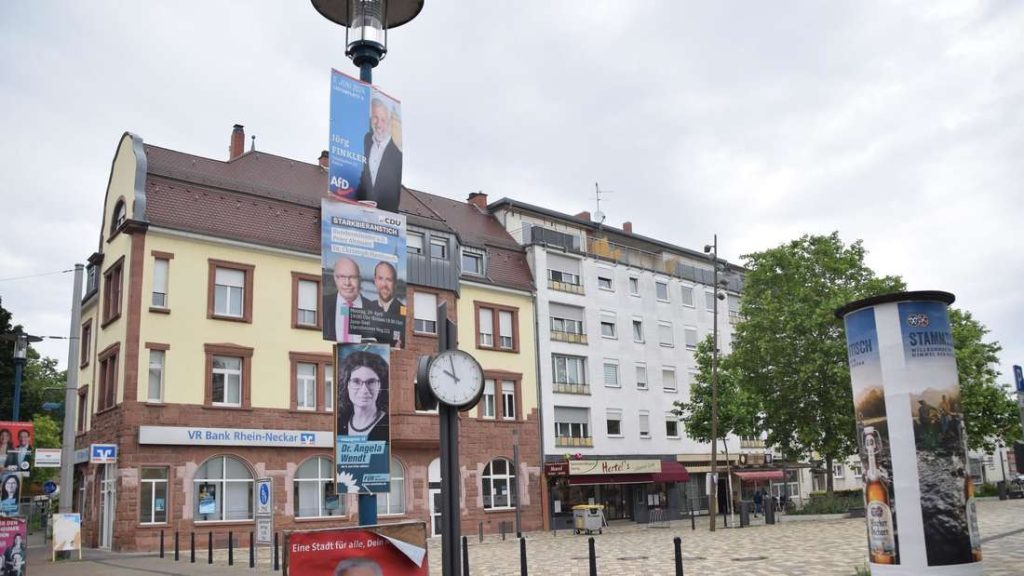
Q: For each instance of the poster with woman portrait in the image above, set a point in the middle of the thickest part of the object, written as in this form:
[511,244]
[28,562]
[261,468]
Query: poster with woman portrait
[363,453]
[10,492]
[13,545]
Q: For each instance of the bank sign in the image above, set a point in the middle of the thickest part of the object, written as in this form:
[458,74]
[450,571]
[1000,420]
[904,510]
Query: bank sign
[245,437]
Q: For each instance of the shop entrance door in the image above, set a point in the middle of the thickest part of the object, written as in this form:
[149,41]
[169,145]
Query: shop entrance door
[434,496]
[108,496]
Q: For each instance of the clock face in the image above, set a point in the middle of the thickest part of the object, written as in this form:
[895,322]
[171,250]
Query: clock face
[456,378]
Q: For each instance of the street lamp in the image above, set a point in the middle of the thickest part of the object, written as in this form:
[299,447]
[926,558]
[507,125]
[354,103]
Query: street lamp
[712,249]
[366,25]
[21,342]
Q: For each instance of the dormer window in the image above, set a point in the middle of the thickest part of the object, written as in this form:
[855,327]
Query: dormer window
[472,262]
[119,215]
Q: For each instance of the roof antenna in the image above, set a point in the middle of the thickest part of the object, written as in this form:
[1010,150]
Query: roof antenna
[598,215]
[252,148]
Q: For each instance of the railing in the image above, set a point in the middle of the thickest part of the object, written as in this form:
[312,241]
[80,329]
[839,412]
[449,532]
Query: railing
[569,388]
[663,262]
[565,287]
[570,337]
[565,441]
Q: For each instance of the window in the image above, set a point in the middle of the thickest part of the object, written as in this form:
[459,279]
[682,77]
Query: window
[160,269]
[83,409]
[734,309]
[306,297]
[107,378]
[157,357]
[645,424]
[230,291]
[638,330]
[91,281]
[665,337]
[153,495]
[508,400]
[487,400]
[313,490]
[85,344]
[838,469]
[605,283]
[424,312]
[634,286]
[614,422]
[671,426]
[687,296]
[641,376]
[567,323]
[709,300]
[438,248]
[472,262]
[228,375]
[414,242]
[505,330]
[661,290]
[119,216]
[393,502]
[668,379]
[112,287]
[608,325]
[564,274]
[499,484]
[329,387]
[690,335]
[223,490]
[486,327]
[491,316]
[570,369]
[572,426]
[611,373]
[305,386]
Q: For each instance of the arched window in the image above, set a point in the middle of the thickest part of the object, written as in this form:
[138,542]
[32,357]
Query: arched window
[499,484]
[119,215]
[314,490]
[393,502]
[223,490]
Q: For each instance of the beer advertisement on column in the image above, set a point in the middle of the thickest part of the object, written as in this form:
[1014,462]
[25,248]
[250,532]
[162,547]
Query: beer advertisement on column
[365,151]
[362,429]
[363,262]
[872,436]
[947,491]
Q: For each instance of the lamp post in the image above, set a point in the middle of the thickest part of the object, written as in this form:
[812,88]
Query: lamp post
[366,25]
[712,249]
[21,342]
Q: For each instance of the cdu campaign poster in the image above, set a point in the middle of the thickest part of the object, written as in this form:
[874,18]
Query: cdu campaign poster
[362,427]
[363,262]
[365,143]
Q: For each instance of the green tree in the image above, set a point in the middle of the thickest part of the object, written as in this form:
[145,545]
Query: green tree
[990,413]
[37,375]
[737,410]
[789,352]
[47,435]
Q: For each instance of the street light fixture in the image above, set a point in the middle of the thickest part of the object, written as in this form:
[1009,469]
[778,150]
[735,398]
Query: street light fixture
[21,342]
[366,25]
[712,249]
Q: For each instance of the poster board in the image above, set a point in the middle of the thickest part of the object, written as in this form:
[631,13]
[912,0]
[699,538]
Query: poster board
[67,534]
[398,549]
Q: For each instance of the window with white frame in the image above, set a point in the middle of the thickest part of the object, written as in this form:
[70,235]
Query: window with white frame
[153,495]
[506,336]
[393,503]
[472,262]
[329,387]
[572,424]
[499,484]
[634,286]
[690,336]
[424,312]
[156,375]
[709,300]
[665,337]
[638,330]
[608,324]
[487,400]
[486,327]
[645,424]
[614,422]
[661,290]
[305,314]
[687,296]
[563,270]
[570,369]
[160,269]
[222,490]
[438,248]
[671,426]
[641,376]
[611,373]
[838,469]
[305,386]
[313,490]
[414,242]
[566,325]
[668,379]
[508,400]
[605,283]
[227,381]
[229,292]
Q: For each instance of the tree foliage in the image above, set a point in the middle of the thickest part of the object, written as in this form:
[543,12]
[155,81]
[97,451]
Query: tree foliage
[737,410]
[38,375]
[47,435]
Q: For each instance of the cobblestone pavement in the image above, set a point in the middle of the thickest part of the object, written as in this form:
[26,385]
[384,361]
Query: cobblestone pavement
[793,547]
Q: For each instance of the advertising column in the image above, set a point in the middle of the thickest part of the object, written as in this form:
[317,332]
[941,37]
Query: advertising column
[919,498]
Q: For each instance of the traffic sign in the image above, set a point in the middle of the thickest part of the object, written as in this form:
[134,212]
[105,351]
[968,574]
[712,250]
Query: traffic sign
[264,497]
[49,487]
[1018,375]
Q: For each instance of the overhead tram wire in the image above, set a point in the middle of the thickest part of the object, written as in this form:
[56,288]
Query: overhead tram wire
[12,278]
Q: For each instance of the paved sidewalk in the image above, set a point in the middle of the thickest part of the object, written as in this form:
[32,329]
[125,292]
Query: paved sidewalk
[792,548]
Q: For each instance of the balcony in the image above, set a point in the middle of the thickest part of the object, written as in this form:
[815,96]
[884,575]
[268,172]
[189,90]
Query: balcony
[565,287]
[751,443]
[570,337]
[566,442]
[567,388]
[664,262]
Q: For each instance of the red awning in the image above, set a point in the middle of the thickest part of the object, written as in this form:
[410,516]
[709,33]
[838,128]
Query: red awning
[610,479]
[759,475]
[671,471]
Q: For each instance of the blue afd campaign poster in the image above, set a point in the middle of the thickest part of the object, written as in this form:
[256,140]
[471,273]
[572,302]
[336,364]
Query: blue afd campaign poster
[362,418]
[365,143]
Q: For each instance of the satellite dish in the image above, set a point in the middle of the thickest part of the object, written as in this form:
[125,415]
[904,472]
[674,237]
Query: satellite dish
[599,217]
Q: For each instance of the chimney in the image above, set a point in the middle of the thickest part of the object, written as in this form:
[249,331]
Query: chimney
[584,216]
[324,159]
[627,227]
[478,199]
[237,142]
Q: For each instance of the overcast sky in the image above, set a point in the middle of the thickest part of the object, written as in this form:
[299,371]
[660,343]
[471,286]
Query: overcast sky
[898,123]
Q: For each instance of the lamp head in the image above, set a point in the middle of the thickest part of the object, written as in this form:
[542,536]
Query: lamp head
[708,248]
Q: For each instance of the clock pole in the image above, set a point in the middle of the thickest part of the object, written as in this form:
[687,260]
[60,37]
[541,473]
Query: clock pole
[451,529]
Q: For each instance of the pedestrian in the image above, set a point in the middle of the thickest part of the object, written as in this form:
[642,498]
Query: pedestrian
[758,501]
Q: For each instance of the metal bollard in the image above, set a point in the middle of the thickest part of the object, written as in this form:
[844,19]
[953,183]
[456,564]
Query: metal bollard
[277,560]
[192,552]
[481,529]
[161,543]
[593,556]
[209,547]
[465,556]
[522,557]
[693,519]
[252,552]
[176,550]
[231,548]
[501,526]
[678,543]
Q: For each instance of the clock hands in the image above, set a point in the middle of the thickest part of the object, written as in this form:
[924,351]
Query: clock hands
[451,363]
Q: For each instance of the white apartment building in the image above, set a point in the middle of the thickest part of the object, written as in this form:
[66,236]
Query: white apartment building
[619,317]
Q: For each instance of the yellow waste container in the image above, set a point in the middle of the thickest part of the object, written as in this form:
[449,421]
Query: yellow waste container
[588,518]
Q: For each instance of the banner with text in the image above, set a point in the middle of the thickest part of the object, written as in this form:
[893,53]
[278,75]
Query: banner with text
[384,550]
[13,545]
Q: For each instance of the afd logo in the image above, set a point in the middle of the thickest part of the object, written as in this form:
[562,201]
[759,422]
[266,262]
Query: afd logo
[307,438]
[103,453]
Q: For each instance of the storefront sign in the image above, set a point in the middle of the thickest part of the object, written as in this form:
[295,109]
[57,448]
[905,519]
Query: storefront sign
[48,458]
[245,437]
[385,549]
[590,467]
[556,469]
[102,453]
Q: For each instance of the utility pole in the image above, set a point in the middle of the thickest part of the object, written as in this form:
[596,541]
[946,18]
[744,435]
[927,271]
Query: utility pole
[67,453]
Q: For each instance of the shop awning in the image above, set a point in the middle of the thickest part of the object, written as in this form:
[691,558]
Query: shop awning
[671,472]
[759,475]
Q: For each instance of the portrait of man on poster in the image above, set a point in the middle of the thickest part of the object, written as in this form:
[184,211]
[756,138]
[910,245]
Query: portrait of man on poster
[381,178]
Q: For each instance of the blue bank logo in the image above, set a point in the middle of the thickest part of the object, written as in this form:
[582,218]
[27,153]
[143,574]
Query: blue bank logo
[307,438]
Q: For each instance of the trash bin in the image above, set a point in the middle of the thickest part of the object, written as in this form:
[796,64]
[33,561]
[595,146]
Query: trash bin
[1004,493]
[745,506]
[588,518]
[769,513]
